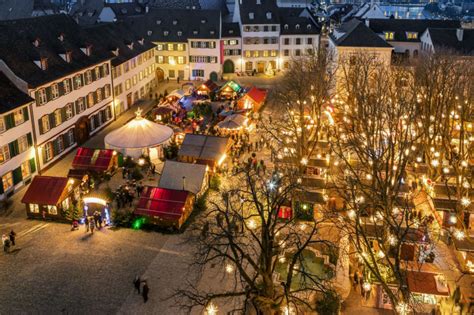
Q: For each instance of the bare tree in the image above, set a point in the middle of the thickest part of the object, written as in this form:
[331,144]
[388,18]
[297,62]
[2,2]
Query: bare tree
[243,234]
[375,142]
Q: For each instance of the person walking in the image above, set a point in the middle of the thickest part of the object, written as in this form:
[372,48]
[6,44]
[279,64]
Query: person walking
[356,280]
[136,283]
[92,225]
[86,223]
[12,237]
[6,246]
[145,291]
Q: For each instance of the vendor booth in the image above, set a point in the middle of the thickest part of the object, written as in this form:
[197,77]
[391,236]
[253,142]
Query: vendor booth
[51,197]
[165,207]
[139,137]
[229,90]
[185,176]
[253,100]
[232,123]
[96,160]
[202,149]
[163,114]
[207,88]
[175,96]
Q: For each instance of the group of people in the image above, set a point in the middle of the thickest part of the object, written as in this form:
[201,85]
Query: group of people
[137,282]
[125,195]
[8,241]
[359,280]
[93,221]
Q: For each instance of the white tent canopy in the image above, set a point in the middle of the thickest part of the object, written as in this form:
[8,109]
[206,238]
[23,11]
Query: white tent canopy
[138,136]
[233,122]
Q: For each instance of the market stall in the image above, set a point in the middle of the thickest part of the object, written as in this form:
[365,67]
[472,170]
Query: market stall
[185,176]
[139,137]
[207,88]
[165,207]
[96,160]
[253,99]
[232,124]
[229,90]
[202,149]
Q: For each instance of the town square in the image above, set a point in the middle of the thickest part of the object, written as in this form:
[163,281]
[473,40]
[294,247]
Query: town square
[236,157]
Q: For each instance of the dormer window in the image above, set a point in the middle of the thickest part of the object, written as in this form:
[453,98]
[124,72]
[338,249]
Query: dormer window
[389,35]
[231,31]
[175,22]
[251,15]
[259,1]
[61,37]
[87,50]
[308,26]
[130,46]
[269,15]
[203,21]
[36,42]
[141,41]
[195,32]
[149,33]
[297,26]
[158,22]
[412,35]
[285,26]
[115,51]
[180,33]
[42,63]
[67,56]
[165,33]
[212,32]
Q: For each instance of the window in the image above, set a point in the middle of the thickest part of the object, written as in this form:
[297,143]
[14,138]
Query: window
[19,117]
[44,123]
[297,52]
[60,144]
[134,80]
[265,53]
[171,60]
[48,151]
[251,15]
[77,81]
[170,47]
[274,28]
[198,73]
[297,26]
[309,41]
[98,73]
[4,154]
[88,76]
[80,106]
[118,89]
[69,111]
[34,208]
[160,59]
[23,143]
[266,40]
[25,169]
[99,95]
[67,86]
[54,91]
[107,90]
[159,47]
[412,35]
[298,41]
[58,117]
[2,125]
[7,181]
[42,98]
[389,35]
[180,47]
[286,52]
[265,28]
[256,53]
[90,99]
[286,41]
[70,136]
[181,60]
[127,85]
[273,53]
[126,67]
[52,210]
[247,53]
[285,26]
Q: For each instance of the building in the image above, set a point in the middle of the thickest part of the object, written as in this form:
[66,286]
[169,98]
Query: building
[133,65]
[184,176]
[455,40]
[69,78]
[202,149]
[17,154]
[405,34]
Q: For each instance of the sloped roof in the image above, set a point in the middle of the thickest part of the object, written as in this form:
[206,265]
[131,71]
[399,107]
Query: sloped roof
[424,282]
[167,204]
[230,30]
[259,11]
[10,96]
[47,29]
[92,159]
[16,9]
[203,147]
[177,25]
[447,39]
[235,121]
[296,21]
[173,173]
[256,94]
[210,85]
[400,27]
[45,190]
[356,34]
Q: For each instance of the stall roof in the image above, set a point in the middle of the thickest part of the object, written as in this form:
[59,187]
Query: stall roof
[45,190]
[210,85]
[465,245]
[167,204]
[425,282]
[235,121]
[203,147]
[173,172]
[233,85]
[257,95]
[92,159]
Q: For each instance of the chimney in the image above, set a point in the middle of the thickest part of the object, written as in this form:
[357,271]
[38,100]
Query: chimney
[460,34]
[367,22]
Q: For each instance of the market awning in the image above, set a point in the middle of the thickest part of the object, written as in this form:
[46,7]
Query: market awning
[465,245]
[45,190]
[234,122]
[166,204]
[257,95]
[209,85]
[426,283]
[93,159]
[230,86]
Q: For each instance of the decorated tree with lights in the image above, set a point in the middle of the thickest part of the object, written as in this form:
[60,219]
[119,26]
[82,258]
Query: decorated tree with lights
[259,253]
[375,143]
[301,109]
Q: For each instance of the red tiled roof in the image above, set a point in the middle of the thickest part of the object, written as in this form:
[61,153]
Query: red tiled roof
[92,159]
[258,95]
[423,282]
[168,204]
[45,190]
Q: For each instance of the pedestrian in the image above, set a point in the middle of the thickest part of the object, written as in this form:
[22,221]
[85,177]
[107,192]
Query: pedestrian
[86,222]
[92,225]
[100,220]
[124,172]
[145,291]
[6,246]
[356,280]
[136,283]
[12,237]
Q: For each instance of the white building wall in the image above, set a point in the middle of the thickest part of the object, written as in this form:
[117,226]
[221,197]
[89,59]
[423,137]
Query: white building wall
[172,70]
[236,59]
[308,45]
[252,33]
[206,67]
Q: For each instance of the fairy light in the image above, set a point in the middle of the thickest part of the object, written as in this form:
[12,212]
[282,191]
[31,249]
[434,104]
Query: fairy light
[351,214]
[252,224]
[229,268]
[392,240]
[366,286]
[211,309]
[465,202]
[402,308]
